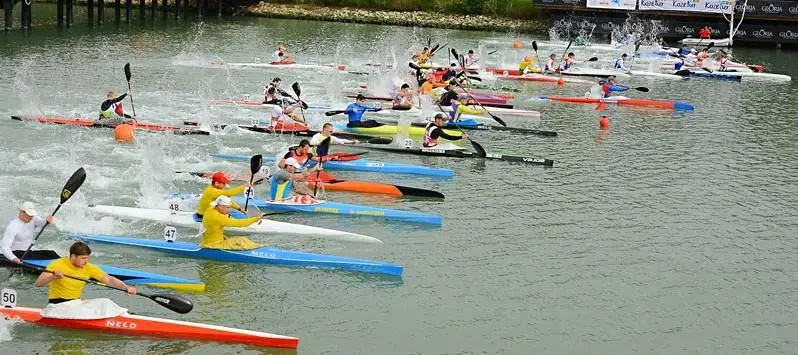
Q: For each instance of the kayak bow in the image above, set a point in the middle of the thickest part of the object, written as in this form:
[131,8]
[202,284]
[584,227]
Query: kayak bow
[621,100]
[361,165]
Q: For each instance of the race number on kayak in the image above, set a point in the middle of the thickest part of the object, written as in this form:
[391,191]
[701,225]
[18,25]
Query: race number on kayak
[8,298]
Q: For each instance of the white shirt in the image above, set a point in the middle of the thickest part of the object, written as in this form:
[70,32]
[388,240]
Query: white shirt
[318,138]
[19,235]
[471,60]
[277,113]
[276,56]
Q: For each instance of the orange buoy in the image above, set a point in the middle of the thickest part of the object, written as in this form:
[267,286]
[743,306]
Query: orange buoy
[604,122]
[124,133]
[341,67]
[561,82]
[518,45]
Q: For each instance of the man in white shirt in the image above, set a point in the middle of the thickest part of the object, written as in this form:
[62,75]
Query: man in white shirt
[20,232]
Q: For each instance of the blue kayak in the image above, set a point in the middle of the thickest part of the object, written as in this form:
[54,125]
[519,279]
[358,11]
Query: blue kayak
[134,277]
[360,165]
[321,206]
[734,76]
[262,255]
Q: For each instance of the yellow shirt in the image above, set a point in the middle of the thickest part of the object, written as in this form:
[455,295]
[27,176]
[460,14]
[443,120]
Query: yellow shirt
[214,222]
[67,288]
[211,193]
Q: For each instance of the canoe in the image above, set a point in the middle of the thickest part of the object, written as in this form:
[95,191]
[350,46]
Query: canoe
[361,165]
[93,124]
[262,255]
[129,324]
[461,153]
[303,203]
[135,277]
[622,100]
[386,130]
[266,226]
[330,183]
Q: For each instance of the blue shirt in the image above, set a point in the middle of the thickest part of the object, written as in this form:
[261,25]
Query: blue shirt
[355,111]
[678,66]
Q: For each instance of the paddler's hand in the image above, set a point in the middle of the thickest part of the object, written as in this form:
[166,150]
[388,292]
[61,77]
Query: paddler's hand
[16,260]
[260,216]
[465,135]
[247,184]
[49,219]
[130,290]
[355,141]
[58,274]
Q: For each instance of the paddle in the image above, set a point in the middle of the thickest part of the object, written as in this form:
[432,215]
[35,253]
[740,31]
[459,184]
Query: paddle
[682,72]
[72,185]
[321,151]
[537,56]
[565,52]
[480,151]
[491,52]
[127,76]
[335,112]
[301,103]
[173,302]
[431,53]
[641,89]
[497,119]
[255,163]
[298,91]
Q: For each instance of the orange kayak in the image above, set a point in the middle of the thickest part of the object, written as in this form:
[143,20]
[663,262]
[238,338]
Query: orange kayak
[129,324]
[94,124]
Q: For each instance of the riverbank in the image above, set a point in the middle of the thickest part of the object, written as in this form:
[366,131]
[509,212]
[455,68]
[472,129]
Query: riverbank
[398,18]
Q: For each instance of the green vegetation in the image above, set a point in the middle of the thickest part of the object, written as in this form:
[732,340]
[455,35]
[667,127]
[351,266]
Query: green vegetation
[520,9]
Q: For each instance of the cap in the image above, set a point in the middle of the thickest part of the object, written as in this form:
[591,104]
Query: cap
[220,177]
[292,162]
[222,201]
[28,208]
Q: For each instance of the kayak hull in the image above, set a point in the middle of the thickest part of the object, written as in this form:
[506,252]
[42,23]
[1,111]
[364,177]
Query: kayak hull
[386,130]
[320,206]
[361,165]
[673,105]
[262,255]
[265,226]
[154,127]
[460,153]
[136,325]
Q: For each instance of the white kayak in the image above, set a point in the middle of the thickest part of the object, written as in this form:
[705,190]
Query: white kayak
[697,42]
[601,73]
[261,65]
[656,75]
[265,226]
[508,111]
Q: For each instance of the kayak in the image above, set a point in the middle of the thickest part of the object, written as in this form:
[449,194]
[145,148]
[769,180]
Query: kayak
[698,42]
[361,165]
[509,111]
[300,130]
[135,277]
[129,324]
[93,124]
[176,217]
[387,130]
[741,76]
[304,203]
[655,75]
[470,124]
[262,255]
[247,102]
[600,73]
[329,182]
[542,78]
[281,65]
[485,99]
[461,153]
[622,100]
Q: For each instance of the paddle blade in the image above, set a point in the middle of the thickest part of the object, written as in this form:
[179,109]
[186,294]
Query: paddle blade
[333,113]
[497,119]
[480,151]
[592,59]
[323,147]
[711,44]
[642,89]
[381,140]
[296,88]
[173,302]
[413,66]
[454,53]
[73,184]
[535,46]
[683,72]
[127,71]
[491,52]
[255,163]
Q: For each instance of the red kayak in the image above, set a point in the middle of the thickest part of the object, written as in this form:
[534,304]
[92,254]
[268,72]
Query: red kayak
[94,124]
[329,182]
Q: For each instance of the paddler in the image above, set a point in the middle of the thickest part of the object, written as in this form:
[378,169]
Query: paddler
[685,50]
[63,289]
[460,107]
[20,232]
[471,59]
[449,73]
[449,95]
[292,177]
[620,63]
[551,64]
[217,188]
[356,110]
[568,61]
[111,109]
[404,99]
[216,217]
[678,65]
[608,86]
[284,113]
[528,65]
[702,55]
[433,132]
[280,56]
[422,57]
[326,132]
[271,92]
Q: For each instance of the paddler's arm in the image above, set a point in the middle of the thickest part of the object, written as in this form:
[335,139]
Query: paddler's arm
[110,280]
[5,245]
[243,222]
[47,276]
[619,88]
[233,192]
[441,134]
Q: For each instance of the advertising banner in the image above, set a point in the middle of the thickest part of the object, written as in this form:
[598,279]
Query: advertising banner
[612,4]
[711,6]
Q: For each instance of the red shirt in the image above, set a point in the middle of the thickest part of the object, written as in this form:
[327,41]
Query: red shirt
[704,33]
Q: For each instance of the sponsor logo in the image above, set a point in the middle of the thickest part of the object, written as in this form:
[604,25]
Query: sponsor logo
[261,254]
[660,28]
[65,194]
[788,34]
[534,160]
[793,10]
[119,324]
[716,6]
[771,9]
[688,4]
[761,33]
[684,29]
[747,8]
[739,33]
[163,300]
[652,3]
[609,26]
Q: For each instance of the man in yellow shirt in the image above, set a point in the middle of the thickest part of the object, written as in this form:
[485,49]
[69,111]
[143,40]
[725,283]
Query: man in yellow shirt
[64,289]
[216,217]
[217,187]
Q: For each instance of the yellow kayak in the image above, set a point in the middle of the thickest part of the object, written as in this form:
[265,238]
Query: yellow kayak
[387,130]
